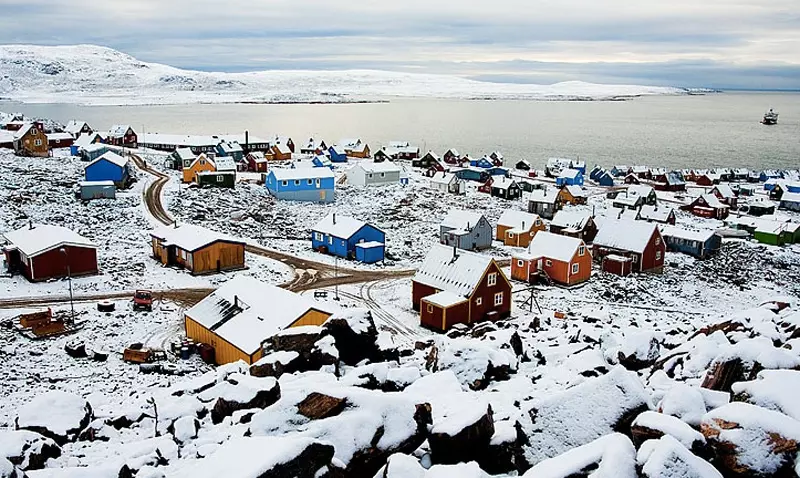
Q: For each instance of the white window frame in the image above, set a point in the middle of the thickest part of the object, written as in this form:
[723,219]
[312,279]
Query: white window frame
[658,255]
[479,301]
[575,268]
[520,263]
[581,250]
[220,178]
[330,240]
[383,175]
[310,182]
[491,280]
[318,183]
[284,183]
[296,182]
[37,142]
[548,263]
[318,236]
[498,299]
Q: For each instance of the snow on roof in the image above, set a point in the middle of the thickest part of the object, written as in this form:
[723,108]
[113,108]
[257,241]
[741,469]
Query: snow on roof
[545,195]
[86,140]
[184,153]
[441,177]
[577,191]
[284,174]
[790,197]
[517,219]
[225,163]
[372,167]
[625,235]
[23,131]
[190,237]
[95,183]
[452,151]
[42,238]
[347,142]
[246,311]
[640,190]
[282,148]
[771,227]
[112,158]
[554,246]
[370,244]
[445,298]
[230,147]
[682,233]
[571,219]
[655,213]
[119,129]
[340,226]
[569,173]
[74,126]
[91,147]
[6,136]
[432,155]
[459,271]
[359,148]
[713,201]
[725,191]
[58,136]
[460,219]
[503,182]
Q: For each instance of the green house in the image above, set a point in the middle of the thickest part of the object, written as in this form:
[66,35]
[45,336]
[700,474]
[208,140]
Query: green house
[773,233]
[217,179]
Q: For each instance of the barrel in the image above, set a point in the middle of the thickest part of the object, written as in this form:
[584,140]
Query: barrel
[185,354]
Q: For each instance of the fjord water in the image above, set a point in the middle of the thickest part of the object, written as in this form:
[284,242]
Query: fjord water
[671,131]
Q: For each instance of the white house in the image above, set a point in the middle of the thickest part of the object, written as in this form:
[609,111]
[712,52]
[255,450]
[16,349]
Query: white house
[368,173]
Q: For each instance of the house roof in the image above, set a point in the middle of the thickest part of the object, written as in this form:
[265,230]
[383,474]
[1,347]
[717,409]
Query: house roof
[624,234]
[74,126]
[458,272]
[553,246]
[569,173]
[640,190]
[545,195]
[577,191]
[282,148]
[713,201]
[246,311]
[445,299]
[96,183]
[119,129]
[225,163]
[230,147]
[460,219]
[58,136]
[682,233]
[503,182]
[655,213]
[112,158]
[441,177]
[6,136]
[86,140]
[184,153]
[284,174]
[790,197]
[89,148]
[432,155]
[372,167]
[338,225]
[190,237]
[517,219]
[23,131]
[41,238]
[571,219]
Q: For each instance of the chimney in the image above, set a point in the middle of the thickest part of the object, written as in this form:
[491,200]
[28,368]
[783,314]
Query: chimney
[30,224]
[334,219]
[523,225]
[246,140]
[175,223]
[236,301]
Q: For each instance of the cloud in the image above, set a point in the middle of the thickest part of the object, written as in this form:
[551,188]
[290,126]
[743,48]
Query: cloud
[720,43]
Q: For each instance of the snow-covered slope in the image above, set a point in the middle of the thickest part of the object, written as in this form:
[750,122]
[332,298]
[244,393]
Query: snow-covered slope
[97,75]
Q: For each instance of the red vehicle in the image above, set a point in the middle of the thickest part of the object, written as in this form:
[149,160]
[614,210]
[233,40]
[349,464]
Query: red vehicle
[143,299]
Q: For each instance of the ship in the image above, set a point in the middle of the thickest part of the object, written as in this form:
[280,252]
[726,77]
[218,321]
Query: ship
[770,117]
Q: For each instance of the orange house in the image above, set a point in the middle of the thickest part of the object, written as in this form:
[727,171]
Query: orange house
[200,164]
[358,150]
[517,228]
[279,152]
[561,259]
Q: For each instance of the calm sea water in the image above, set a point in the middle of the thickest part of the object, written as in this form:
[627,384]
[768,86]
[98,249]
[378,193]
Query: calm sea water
[682,131]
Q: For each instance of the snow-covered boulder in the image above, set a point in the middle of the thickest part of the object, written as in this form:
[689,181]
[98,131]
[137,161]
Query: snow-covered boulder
[474,362]
[153,452]
[27,450]
[240,392]
[777,390]
[750,440]
[743,360]
[397,379]
[404,466]
[463,434]
[583,413]
[355,334]
[55,414]
[114,470]
[635,349]
[8,470]
[263,457]
[610,456]
[669,458]
[654,425]
[684,402]
[185,429]
[276,364]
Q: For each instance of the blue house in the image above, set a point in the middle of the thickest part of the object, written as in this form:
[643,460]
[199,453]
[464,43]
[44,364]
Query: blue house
[90,152]
[337,154]
[484,163]
[620,171]
[595,173]
[322,161]
[570,177]
[694,243]
[497,171]
[769,174]
[348,238]
[301,184]
[605,179]
[109,167]
[471,174]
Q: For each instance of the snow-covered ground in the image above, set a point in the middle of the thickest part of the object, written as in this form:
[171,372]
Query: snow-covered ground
[87,74]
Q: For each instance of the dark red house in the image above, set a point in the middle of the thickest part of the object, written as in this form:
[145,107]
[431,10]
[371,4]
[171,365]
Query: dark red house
[454,286]
[638,240]
[123,135]
[42,252]
[708,206]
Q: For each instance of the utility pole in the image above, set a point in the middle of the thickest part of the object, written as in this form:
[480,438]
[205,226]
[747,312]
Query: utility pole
[336,277]
[69,279]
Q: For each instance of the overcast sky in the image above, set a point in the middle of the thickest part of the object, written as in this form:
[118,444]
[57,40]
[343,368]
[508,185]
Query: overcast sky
[712,43]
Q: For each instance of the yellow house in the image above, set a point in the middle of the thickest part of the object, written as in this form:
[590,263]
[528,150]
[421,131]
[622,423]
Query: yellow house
[241,315]
[200,164]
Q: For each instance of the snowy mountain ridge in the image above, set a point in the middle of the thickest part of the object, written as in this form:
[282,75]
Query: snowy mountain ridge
[90,74]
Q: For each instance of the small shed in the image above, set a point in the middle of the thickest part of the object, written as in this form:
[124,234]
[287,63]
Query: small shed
[616,264]
[89,190]
[41,252]
[92,151]
[544,202]
[197,249]
[370,252]
[605,179]
[790,201]
[337,154]
[217,179]
[773,233]
[523,165]
[505,188]
[466,230]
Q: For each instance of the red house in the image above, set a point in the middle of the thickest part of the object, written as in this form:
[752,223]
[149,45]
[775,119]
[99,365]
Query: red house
[708,206]
[451,156]
[707,179]
[640,241]
[725,194]
[123,135]
[42,252]
[454,286]
[256,162]
[60,140]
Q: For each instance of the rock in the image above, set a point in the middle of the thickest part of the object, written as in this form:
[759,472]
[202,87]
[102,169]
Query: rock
[317,405]
[723,375]
[635,349]
[684,402]
[55,414]
[463,435]
[8,470]
[265,457]
[504,447]
[296,339]
[475,363]
[654,425]
[355,334]
[98,430]
[743,361]
[276,364]
[751,441]
[76,349]
[772,389]
[668,458]
[27,450]
[404,466]
[185,429]
[397,379]
[324,352]
[153,452]
[516,344]
[610,456]
[240,392]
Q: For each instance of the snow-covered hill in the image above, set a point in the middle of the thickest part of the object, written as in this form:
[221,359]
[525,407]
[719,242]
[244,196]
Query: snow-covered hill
[91,74]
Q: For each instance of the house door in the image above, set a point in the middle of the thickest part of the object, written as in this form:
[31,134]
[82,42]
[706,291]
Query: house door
[317,184]
[171,255]
[539,265]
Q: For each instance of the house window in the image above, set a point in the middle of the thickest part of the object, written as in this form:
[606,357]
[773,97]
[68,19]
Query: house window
[658,241]
[317,182]
[511,235]
[548,263]
[310,182]
[318,236]
[38,142]
[330,240]
[520,263]
[479,301]
[658,255]
[383,175]
[220,178]
[430,309]
[498,298]
[284,183]
[492,279]
[575,268]
[581,250]
[635,259]
[369,175]
[296,182]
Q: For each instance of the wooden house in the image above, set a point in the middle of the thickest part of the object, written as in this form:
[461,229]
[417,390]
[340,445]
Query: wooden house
[517,228]
[595,172]
[42,252]
[635,197]
[448,183]
[484,162]
[451,156]
[430,159]
[631,179]
[216,179]
[556,166]
[708,206]
[381,155]
[256,162]
[6,139]
[570,177]
[93,151]
[505,188]
[314,147]
[240,316]
[123,135]
[337,154]
[707,179]
[615,264]
[572,195]
[497,158]
[774,233]
[740,174]
[465,230]
[642,172]
[437,167]
[700,244]
[669,181]
[453,286]
[662,215]
[640,241]
[368,173]
[230,149]
[197,249]
[620,171]
[60,140]
[725,194]
[322,161]
[349,238]
[759,208]
[776,191]
[109,167]
[544,202]
[301,184]
[200,164]
[30,140]
[77,128]
[359,150]
[790,201]
[181,158]
[768,174]
[472,174]
[523,165]
[574,223]
[605,179]
[563,260]
[279,152]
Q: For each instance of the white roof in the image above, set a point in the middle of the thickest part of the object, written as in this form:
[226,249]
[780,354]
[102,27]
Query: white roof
[459,275]
[713,201]
[384,167]
[502,182]
[6,136]
[257,156]
[627,200]
[655,213]
[95,183]
[198,140]
[725,190]
[282,148]
[347,142]
[343,228]
[230,147]
[432,155]
[640,190]
[569,173]
[546,195]
[681,233]
[74,126]
[85,140]
[577,191]
[571,219]
[554,246]
[790,197]
[59,136]
[771,227]
[245,311]
[460,219]
[184,153]
[441,177]
[516,219]
[445,299]
[625,235]
[119,129]
[42,238]
[225,163]
[190,237]
[369,244]
[283,174]
[111,157]
[92,146]
[23,131]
